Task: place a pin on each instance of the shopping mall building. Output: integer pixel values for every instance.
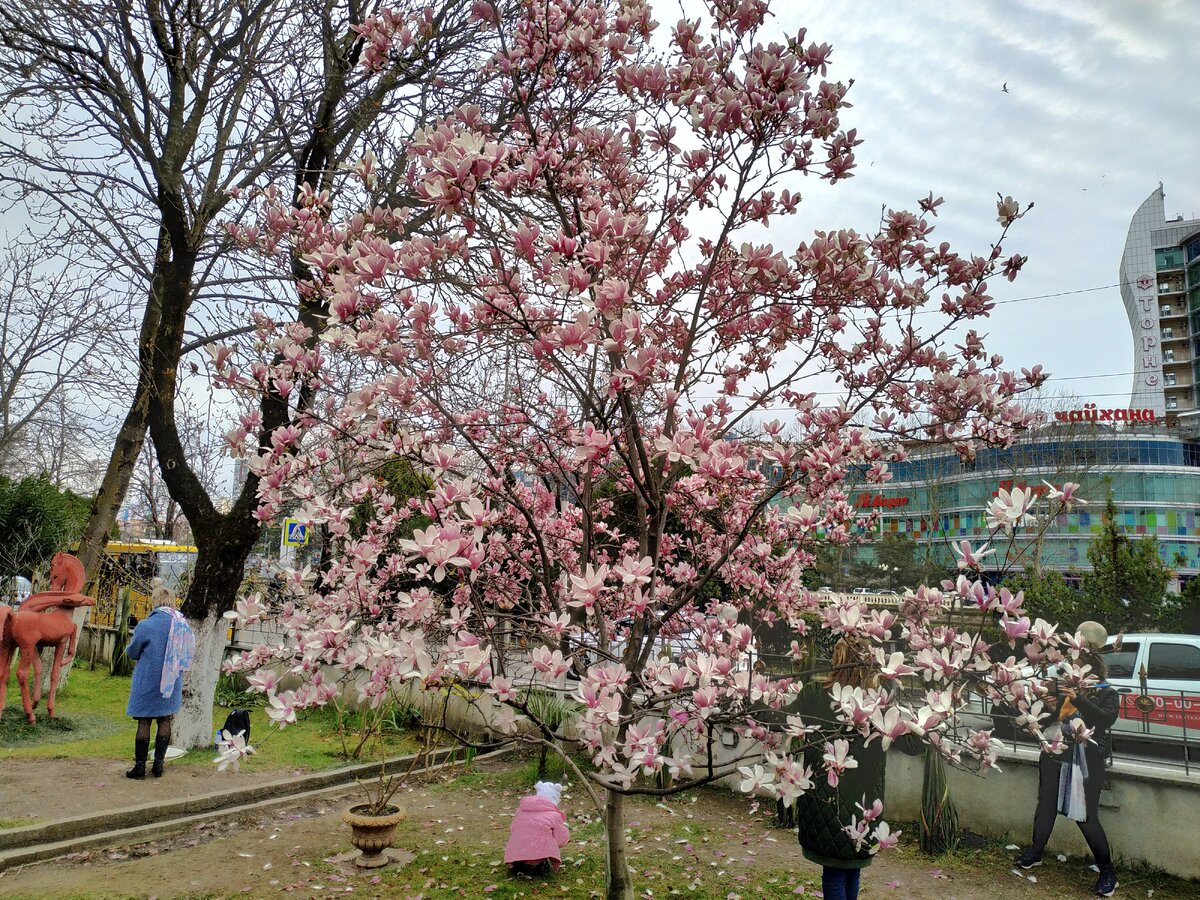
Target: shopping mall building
(1148, 452)
(1154, 474)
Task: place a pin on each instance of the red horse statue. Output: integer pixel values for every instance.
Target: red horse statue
(40, 622)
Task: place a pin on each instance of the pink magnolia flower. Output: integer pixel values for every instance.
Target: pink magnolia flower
(837, 760)
(552, 664)
(264, 681)
(892, 667)
(1066, 494)
(968, 559)
(280, 709)
(885, 838)
(1014, 630)
(892, 724)
(586, 588)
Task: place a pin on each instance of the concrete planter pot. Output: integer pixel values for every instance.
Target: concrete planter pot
(372, 834)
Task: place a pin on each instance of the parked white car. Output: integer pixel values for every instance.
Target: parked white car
(1170, 664)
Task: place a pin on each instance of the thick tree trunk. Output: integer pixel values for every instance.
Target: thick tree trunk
(220, 566)
(193, 725)
(617, 883)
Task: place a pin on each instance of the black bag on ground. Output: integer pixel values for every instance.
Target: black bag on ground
(237, 721)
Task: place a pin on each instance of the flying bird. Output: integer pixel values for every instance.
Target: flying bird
(1004, 87)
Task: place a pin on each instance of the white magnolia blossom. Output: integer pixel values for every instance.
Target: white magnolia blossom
(231, 749)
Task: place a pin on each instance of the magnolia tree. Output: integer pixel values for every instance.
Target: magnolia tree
(594, 361)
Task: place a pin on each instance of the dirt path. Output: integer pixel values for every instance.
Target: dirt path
(705, 844)
(47, 789)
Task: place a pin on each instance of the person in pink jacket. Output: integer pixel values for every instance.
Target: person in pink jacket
(538, 830)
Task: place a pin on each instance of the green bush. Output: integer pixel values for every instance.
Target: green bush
(36, 521)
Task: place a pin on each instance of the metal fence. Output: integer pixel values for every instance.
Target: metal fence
(1155, 727)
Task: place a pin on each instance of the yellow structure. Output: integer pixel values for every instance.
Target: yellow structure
(137, 564)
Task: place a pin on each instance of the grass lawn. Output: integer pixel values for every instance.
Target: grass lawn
(91, 722)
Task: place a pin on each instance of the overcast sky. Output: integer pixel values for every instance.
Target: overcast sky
(1102, 105)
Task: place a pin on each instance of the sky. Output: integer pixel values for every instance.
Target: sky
(1102, 105)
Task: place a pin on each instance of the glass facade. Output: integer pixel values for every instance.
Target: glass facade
(1155, 481)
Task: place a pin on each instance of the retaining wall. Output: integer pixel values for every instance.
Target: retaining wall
(1149, 814)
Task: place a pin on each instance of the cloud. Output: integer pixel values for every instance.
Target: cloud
(1099, 110)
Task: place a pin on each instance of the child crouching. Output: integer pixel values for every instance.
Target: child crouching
(538, 830)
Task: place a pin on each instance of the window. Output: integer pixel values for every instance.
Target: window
(1120, 662)
(1174, 661)
(1168, 259)
(1165, 309)
(1170, 379)
(1172, 403)
(1168, 356)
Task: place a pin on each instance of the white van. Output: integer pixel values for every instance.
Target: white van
(1170, 665)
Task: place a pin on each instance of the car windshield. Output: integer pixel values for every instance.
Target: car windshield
(1120, 663)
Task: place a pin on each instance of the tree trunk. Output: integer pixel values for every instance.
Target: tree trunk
(617, 883)
(193, 725)
(128, 446)
(113, 488)
(223, 544)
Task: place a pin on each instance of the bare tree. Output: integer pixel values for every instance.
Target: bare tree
(144, 124)
(57, 347)
(149, 498)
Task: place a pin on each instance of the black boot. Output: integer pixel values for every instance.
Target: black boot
(160, 753)
(141, 749)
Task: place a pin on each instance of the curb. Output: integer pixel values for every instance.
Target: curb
(36, 843)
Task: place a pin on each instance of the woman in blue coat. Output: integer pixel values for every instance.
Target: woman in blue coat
(162, 645)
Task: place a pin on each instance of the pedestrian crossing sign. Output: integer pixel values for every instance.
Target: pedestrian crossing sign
(295, 534)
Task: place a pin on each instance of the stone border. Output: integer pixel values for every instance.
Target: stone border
(36, 843)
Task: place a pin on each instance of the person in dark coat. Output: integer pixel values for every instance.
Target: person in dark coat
(162, 644)
(1099, 707)
(823, 812)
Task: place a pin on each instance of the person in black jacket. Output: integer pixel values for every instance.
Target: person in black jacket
(822, 812)
(1098, 706)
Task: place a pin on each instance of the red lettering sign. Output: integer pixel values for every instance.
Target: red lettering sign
(1038, 489)
(878, 501)
(1090, 413)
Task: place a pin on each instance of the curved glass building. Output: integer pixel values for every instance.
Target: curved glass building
(936, 498)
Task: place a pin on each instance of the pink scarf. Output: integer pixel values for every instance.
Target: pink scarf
(181, 645)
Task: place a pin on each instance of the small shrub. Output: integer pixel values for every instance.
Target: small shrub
(233, 692)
